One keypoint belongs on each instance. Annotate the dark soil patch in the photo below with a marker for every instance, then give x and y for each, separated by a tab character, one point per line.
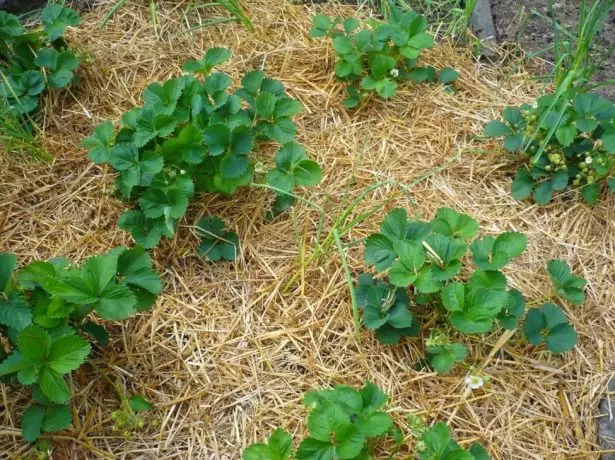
515	22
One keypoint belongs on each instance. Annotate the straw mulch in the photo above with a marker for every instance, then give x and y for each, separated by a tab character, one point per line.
230	348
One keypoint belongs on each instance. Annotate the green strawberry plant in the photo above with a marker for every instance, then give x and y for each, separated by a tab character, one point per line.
194	135
424	263
216	242
46	317
562	143
33	61
375	58
344	423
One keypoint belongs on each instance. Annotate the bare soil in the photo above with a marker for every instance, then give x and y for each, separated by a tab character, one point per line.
515	22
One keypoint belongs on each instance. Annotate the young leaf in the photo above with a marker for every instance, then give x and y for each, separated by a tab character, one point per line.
10	27
56	18
566	285
99	143
451	223
443	357
139	404
404	271
216	242
548	324
493	253
448	75
279	447
212	58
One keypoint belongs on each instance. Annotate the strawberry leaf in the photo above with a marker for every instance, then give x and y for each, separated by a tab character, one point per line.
566	285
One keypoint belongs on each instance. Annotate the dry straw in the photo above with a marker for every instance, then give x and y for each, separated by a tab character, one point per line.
229	349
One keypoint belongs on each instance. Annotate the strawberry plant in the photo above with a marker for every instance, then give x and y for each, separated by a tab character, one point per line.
34	61
562	143
423	262
46	318
344	423
374	58
194	135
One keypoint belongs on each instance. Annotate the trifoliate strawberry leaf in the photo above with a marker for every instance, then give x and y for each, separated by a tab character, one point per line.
493	253
146	232
445	253
405	269
443	357
32	422
548	324
293	168
216	242
157	202
212	58
150	125
449	222
56	18
279	447
99	143
439	445
566	285
10	27
162	98
385	309
60	66
513	310
475	311
139	404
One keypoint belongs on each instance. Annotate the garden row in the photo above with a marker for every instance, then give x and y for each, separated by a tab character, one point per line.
194	135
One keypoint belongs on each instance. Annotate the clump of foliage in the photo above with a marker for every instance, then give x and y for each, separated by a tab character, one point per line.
46	311
346	424
193	135
217	243
375	58
436	442
564	142
34	61
423	262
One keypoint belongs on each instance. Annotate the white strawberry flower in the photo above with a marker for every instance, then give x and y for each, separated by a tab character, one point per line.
474	381
588	160
395	73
